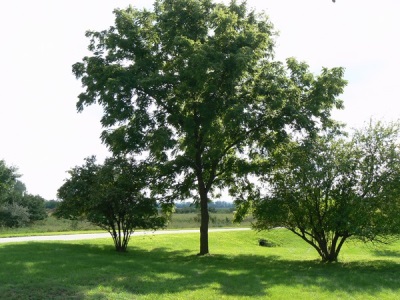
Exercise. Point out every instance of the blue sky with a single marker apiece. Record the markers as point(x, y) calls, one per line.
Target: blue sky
point(42, 134)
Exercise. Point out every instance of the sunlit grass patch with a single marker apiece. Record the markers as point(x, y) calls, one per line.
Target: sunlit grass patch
point(167, 267)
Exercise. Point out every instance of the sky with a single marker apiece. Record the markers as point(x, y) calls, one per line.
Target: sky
point(42, 134)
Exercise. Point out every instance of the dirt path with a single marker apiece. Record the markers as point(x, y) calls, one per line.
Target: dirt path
point(85, 236)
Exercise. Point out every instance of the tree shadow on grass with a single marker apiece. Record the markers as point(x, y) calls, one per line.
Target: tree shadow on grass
point(79, 271)
point(387, 253)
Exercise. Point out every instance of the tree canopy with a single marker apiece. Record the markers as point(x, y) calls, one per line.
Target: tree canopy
point(329, 189)
point(111, 196)
point(17, 207)
point(8, 179)
point(193, 85)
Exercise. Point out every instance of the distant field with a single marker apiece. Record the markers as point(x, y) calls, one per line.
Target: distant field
point(50, 225)
point(166, 267)
point(187, 220)
point(192, 220)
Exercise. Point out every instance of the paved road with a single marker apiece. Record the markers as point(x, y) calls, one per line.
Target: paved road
point(71, 237)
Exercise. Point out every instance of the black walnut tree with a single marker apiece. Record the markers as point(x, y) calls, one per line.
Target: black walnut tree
point(192, 84)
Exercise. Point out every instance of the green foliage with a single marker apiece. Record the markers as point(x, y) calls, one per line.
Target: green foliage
point(8, 179)
point(193, 84)
point(17, 207)
point(50, 204)
point(14, 215)
point(328, 189)
point(35, 205)
point(111, 196)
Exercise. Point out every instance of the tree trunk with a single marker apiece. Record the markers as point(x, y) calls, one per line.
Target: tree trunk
point(329, 257)
point(120, 242)
point(204, 226)
point(327, 250)
point(203, 192)
point(330, 253)
point(333, 253)
point(204, 220)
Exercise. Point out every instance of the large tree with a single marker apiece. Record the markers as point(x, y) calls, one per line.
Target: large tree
point(192, 84)
point(112, 196)
point(328, 189)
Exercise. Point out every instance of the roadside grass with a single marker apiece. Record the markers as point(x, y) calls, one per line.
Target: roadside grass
point(52, 225)
point(166, 267)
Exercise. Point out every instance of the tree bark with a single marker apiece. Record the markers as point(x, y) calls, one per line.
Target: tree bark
point(203, 192)
point(204, 225)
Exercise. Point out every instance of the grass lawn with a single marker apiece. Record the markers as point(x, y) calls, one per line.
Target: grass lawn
point(166, 267)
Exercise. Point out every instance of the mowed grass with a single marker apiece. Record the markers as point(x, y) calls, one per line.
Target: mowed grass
point(167, 267)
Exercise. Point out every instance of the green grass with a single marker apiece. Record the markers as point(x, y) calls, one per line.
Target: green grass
point(192, 220)
point(166, 267)
point(49, 226)
point(53, 225)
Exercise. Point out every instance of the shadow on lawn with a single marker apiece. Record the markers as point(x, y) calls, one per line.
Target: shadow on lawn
point(69, 271)
point(387, 253)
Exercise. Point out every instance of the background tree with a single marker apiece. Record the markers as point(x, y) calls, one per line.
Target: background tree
point(51, 204)
point(327, 190)
point(35, 205)
point(17, 207)
point(111, 196)
point(8, 179)
point(14, 215)
point(193, 83)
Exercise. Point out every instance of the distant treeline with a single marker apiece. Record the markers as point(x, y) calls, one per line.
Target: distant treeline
point(181, 207)
point(51, 204)
point(216, 206)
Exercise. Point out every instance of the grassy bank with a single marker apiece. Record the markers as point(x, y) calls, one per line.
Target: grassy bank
point(166, 267)
point(53, 225)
